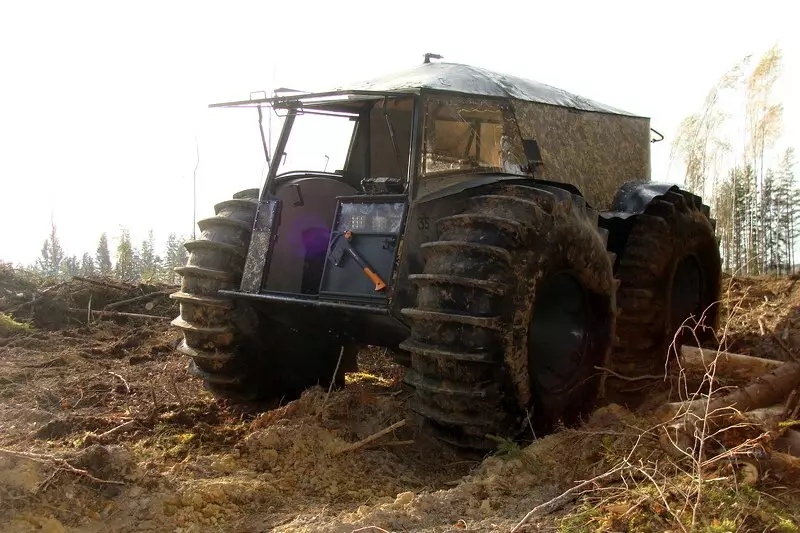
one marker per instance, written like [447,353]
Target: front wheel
[515,309]
[242,355]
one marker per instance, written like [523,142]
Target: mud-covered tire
[240,355]
[673,236]
[211,336]
[473,363]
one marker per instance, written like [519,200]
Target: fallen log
[731,366]
[767,389]
[706,417]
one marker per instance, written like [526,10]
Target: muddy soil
[102,428]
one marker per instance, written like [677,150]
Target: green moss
[724,508]
[785,525]
[9,326]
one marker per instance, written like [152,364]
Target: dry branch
[147,296]
[105,283]
[59,463]
[119,313]
[375,436]
[553,504]
[91,438]
[122,428]
[124,382]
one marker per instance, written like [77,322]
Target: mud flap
[260,251]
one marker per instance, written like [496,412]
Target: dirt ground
[182,461]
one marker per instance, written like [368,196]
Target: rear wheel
[515,308]
[669,270]
[240,355]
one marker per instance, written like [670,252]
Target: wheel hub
[687,291]
[558,332]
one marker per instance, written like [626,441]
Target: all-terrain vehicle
[500,236]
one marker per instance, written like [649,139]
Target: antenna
[194,190]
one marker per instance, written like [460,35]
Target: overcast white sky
[101,102]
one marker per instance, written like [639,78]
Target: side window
[463,134]
[390,138]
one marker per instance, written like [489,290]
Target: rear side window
[468,134]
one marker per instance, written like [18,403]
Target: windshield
[464,134]
[317,143]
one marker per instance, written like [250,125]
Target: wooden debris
[44,294]
[757,407]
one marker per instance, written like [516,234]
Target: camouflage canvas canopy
[593,146]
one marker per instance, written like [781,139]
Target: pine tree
[147,267]
[52,255]
[125,268]
[70,267]
[103,256]
[770,249]
[87,265]
[788,207]
[723,212]
[174,256]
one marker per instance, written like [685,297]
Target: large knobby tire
[515,309]
[242,356]
[669,271]
[211,337]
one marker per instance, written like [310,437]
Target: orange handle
[376,279]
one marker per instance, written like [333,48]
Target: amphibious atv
[500,236]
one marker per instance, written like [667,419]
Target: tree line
[133,264]
[733,157]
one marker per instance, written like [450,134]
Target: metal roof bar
[301,98]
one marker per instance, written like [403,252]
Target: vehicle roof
[466,79]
